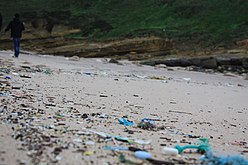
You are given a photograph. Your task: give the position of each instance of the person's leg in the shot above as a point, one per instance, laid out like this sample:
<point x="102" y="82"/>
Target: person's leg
<point x="16" y="46"/>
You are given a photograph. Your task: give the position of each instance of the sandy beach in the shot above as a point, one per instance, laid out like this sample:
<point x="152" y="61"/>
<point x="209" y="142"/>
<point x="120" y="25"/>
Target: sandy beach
<point x="57" y="110"/>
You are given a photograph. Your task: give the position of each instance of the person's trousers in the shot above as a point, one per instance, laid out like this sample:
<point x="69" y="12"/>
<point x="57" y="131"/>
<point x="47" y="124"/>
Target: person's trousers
<point x="16" y="46"/>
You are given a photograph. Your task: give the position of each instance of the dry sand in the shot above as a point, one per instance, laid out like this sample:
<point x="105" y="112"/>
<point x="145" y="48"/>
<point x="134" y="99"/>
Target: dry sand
<point x="56" y="105"/>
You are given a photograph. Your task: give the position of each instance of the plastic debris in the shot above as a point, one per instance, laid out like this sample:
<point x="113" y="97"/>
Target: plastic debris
<point x="170" y="151"/>
<point x="142" y="142"/>
<point x="89" y="142"/>
<point x="4" y="94"/>
<point x="210" y="159"/>
<point x="143" y="155"/>
<point x="187" y="79"/>
<point x="202" y="148"/>
<point x="125" y="122"/>
<point x="8" y="77"/>
<point x="48" y="71"/>
<point x="147" y="124"/>
<point x="115" y="148"/>
<point x="88" y="153"/>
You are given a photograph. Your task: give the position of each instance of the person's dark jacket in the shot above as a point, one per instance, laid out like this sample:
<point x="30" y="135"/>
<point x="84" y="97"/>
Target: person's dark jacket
<point x="16" y="27"/>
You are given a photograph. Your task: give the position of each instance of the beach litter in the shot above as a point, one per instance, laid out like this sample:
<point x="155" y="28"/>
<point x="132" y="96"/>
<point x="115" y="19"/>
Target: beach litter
<point x="202" y="147"/>
<point x="44" y="126"/>
<point x="125" y="122"/>
<point x="147" y="124"/>
<point x="211" y="159"/>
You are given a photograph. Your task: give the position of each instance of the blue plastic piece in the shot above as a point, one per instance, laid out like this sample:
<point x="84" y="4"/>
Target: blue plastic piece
<point x="210" y="159"/>
<point x="143" y="155"/>
<point x="115" y="148"/>
<point x="124" y="122"/>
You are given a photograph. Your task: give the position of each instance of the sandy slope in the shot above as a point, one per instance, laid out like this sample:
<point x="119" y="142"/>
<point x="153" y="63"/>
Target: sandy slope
<point x="185" y="103"/>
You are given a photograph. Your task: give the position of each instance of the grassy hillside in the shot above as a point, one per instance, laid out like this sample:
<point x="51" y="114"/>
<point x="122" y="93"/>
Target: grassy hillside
<point x="208" y="22"/>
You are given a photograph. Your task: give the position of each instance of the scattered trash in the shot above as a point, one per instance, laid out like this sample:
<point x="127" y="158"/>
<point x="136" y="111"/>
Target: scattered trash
<point x="147" y="124"/>
<point x="89" y="74"/>
<point x="102" y="115"/>
<point x="88" y="153"/>
<point x="45" y="126"/>
<point x="125" y="122"/>
<point x="143" y="155"/>
<point x="187" y="80"/>
<point x="210" y="159"/>
<point x="115" y="148"/>
<point x="170" y="151"/>
<point x="103" y="95"/>
<point x="8" y="77"/>
<point x="202" y="147"/>
<point x="4" y="94"/>
<point x="158" y="78"/>
<point x="25" y="76"/>
<point x="48" y="71"/>
<point x="142" y="142"/>
<point x="89" y="142"/>
<point x="15" y="74"/>
<point x="77" y="140"/>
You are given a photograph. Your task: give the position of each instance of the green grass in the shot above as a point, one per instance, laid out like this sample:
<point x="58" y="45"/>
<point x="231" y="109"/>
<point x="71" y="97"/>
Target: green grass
<point x="205" y="21"/>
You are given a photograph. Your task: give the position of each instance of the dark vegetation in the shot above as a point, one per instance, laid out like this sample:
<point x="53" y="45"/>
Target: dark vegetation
<point x="203" y="23"/>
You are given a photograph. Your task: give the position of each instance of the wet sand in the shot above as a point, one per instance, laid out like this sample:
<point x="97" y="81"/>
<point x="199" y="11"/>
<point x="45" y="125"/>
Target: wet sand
<point x="52" y="107"/>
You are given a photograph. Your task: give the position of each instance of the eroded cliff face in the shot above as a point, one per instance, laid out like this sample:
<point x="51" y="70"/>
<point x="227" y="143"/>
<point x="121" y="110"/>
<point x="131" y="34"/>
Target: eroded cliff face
<point x="45" y="33"/>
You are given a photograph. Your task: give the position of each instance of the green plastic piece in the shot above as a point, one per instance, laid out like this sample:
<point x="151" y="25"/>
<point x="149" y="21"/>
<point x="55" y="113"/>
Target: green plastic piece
<point x="202" y="147"/>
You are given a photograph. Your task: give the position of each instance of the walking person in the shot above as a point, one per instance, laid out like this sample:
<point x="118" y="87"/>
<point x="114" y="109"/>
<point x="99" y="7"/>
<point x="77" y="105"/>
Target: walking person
<point x="16" y="27"/>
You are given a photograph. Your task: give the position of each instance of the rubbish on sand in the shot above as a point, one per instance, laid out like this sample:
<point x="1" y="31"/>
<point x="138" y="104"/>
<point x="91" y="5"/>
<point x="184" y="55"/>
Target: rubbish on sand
<point x="170" y="151"/>
<point x="187" y="79"/>
<point x="25" y="76"/>
<point x="148" y="120"/>
<point x="48" y="71"/>
<point x="147" y="124"/>
<point x="8" y="77"/>
<point x="3" y="94"/>
<point x="125" y="122"/>
<point x="142" y="142"/>
<point x="210" y="159"/>
<point x="89" y="74"/>
<point x="123" y="139"/>
<point x="118" y="148"/>
<point x="115" y="148"/>
<point x="109" y="137"/>
<point x="89" y="142"/>
<point x="15" y="74"/>
<point x="88" y="153"/>
<point x="143" y="155"/>
<point x="202" y="148"/>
